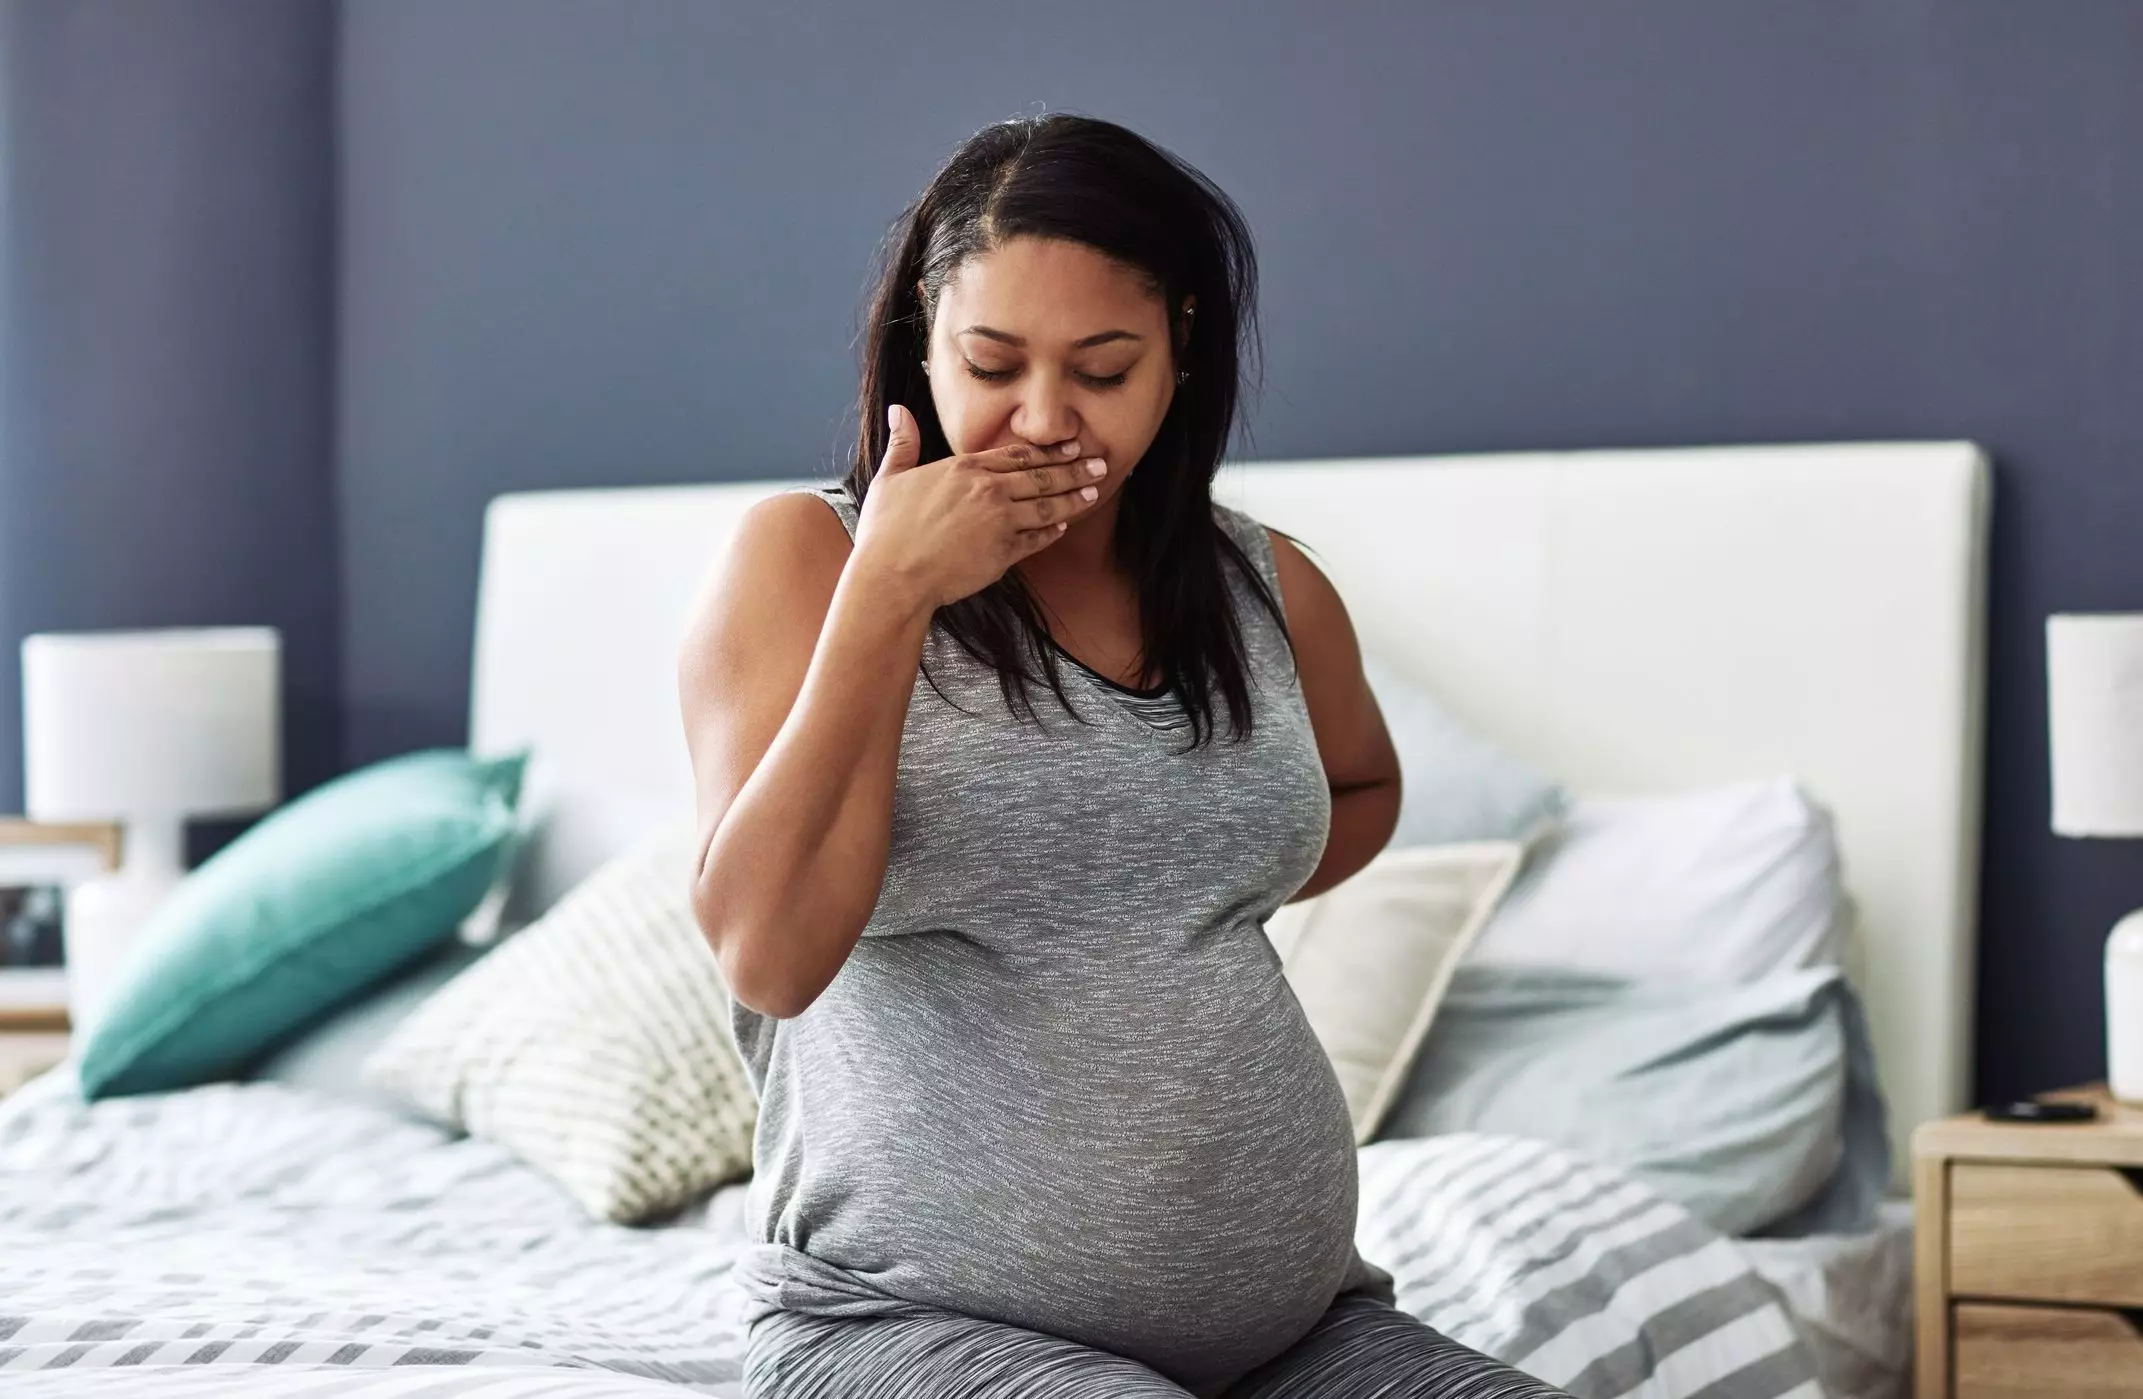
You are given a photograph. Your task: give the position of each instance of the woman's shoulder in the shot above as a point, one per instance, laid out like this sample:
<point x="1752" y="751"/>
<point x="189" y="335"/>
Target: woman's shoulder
<point x="795" y="524"/>
<point x="809" y="506"/>
<point x="834" y="493"/>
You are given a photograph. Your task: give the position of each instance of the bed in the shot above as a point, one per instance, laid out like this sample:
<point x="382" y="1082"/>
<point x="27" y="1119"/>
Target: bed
<point x="1637" y="620"/>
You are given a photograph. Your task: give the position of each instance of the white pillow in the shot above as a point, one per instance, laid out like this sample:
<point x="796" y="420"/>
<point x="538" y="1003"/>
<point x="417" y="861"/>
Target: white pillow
<point x="594" y="1044"/>
<point x="1370" y="959"/>
<point x="1726" y="885"/>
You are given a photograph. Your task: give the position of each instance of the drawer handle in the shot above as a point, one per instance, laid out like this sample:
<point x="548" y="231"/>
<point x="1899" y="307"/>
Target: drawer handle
<point x="2133" y="1175"/>
<point x="2134" y="1317"/>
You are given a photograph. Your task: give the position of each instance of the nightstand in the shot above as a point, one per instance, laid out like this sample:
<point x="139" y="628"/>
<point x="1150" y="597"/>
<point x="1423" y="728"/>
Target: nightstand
<point x="24" y="1054"/>
<point x="2028" y="1256"/>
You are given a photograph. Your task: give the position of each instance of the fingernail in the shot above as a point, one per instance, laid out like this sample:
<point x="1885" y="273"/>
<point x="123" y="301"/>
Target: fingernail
<point x="1095" y="466"/>
<point x="892" y="416"/>
<point x="1068" y="448"/>
<point x="1089" y="492"/>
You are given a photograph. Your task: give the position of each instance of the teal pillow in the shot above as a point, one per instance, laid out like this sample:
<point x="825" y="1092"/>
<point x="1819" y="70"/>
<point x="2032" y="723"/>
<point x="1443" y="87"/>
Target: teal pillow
<point x="304" y="912"/>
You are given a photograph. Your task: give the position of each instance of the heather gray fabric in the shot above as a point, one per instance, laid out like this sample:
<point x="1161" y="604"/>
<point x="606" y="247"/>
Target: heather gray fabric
<point x="1060" y="1083"/>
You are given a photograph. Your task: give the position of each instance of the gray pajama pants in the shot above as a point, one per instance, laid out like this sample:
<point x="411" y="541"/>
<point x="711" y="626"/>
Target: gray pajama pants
<point x="1362" y="1348"/>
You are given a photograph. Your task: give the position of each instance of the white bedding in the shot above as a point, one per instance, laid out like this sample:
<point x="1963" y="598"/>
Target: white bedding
<point x="252" y="1239"/>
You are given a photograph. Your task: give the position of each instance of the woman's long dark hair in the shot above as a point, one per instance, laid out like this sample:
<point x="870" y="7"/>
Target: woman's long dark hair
<point x="1093" y="182"/>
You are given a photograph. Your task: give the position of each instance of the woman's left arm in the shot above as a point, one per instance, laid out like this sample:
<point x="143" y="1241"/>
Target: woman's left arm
<point x="1359" y="763"/>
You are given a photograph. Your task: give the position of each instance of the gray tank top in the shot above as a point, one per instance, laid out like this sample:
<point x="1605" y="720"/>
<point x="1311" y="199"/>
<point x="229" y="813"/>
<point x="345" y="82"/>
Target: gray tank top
<point x="1060" y="1082"/>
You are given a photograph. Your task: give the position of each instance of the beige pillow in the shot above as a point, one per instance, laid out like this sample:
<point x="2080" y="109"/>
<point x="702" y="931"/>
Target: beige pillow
<point x="1371" y="958"/>
<point x="594" y="1044"/>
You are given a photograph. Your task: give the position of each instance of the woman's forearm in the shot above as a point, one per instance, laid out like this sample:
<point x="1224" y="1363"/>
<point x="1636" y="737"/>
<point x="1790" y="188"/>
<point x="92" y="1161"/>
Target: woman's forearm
<point x="796" y="862"/>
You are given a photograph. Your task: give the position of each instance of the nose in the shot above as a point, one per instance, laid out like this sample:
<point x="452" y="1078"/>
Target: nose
<point x="1044" y="415"/>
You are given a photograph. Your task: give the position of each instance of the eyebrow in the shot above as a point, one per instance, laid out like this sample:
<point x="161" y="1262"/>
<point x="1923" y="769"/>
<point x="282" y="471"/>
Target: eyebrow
<point x="1019" y="342"/>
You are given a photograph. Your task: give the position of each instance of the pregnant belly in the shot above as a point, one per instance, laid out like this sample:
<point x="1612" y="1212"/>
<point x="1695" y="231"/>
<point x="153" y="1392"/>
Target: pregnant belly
<point x="1165" y="1171"/>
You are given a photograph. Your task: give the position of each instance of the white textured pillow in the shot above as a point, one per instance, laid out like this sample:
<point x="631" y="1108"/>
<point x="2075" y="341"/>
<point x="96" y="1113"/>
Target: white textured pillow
<point x="1371" y="958"/>
<point x="1725" y="884"/>
<point x="594" y="1043"/>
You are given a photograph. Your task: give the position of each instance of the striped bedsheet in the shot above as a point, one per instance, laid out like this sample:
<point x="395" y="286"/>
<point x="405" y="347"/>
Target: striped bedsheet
<point x="251" y="1240"/>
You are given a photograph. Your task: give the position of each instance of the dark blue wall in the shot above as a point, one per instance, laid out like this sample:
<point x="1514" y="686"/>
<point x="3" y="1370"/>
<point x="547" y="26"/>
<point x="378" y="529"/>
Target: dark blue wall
<point x="585" y="244"/>
<point x="625" y="244"/>
<point x="166" y="335"/>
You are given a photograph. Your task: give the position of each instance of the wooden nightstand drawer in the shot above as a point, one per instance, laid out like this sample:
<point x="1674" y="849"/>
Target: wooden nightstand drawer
<point x="2046" y="1233"/>
<point x="2046" y="1353"/>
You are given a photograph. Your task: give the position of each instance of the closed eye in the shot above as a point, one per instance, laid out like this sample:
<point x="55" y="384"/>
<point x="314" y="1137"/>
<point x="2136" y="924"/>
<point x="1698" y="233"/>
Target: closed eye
<point x="998" y="376"/>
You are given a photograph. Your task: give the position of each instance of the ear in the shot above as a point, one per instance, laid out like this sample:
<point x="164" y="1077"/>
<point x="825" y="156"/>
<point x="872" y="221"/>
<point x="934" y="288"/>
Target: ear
<point x="1183" y="323"/>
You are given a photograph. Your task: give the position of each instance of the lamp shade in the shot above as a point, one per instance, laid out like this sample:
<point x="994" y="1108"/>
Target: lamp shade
<point x="168" y="723"/>
<point x="2094" y="683"/>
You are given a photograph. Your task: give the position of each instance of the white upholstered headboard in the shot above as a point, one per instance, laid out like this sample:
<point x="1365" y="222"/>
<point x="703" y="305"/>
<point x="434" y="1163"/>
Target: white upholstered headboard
<point x="1628" y="620"/>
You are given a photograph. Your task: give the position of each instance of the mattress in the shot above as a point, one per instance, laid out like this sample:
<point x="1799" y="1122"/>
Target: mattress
<point x="255" y="1239"/>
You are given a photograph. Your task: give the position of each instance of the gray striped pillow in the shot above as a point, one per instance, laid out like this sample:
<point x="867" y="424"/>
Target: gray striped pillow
<point x="594" y="1044"/>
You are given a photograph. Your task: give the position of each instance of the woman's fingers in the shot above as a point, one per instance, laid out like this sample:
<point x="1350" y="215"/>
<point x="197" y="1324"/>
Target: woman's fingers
<point x="1033" y="541"/>
<point x="1040" y="489"/>
<point x="1041" y="471"/>
<point x="1066" y="478"/>
<point x="1034" y="512"/>
<point x="1020" y="455"/>
<point x="1056" y="480"/>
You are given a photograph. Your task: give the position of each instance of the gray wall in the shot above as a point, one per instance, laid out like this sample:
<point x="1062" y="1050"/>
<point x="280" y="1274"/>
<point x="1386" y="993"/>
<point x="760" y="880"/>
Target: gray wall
<point x="166" y="334"/>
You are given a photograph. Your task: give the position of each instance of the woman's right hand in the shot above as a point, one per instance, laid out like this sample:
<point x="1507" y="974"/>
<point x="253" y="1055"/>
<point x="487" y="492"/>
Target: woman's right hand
<point x="953" y="527"/>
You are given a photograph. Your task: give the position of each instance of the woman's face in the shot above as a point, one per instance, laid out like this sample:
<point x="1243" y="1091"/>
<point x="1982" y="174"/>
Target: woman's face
<point x="1044" y="341"/>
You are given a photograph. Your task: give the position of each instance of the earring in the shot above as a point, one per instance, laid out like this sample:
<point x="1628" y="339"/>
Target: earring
<point x="1183" y="376"/>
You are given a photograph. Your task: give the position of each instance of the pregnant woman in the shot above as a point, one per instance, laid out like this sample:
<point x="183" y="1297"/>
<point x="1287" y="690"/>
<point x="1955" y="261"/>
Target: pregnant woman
<point x="1005" y="749"/>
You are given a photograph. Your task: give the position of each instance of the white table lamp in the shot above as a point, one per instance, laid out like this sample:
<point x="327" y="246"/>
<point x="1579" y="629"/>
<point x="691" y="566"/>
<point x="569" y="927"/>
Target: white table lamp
<point x="147" y="728"/>
<point x="2094" y="675"/>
